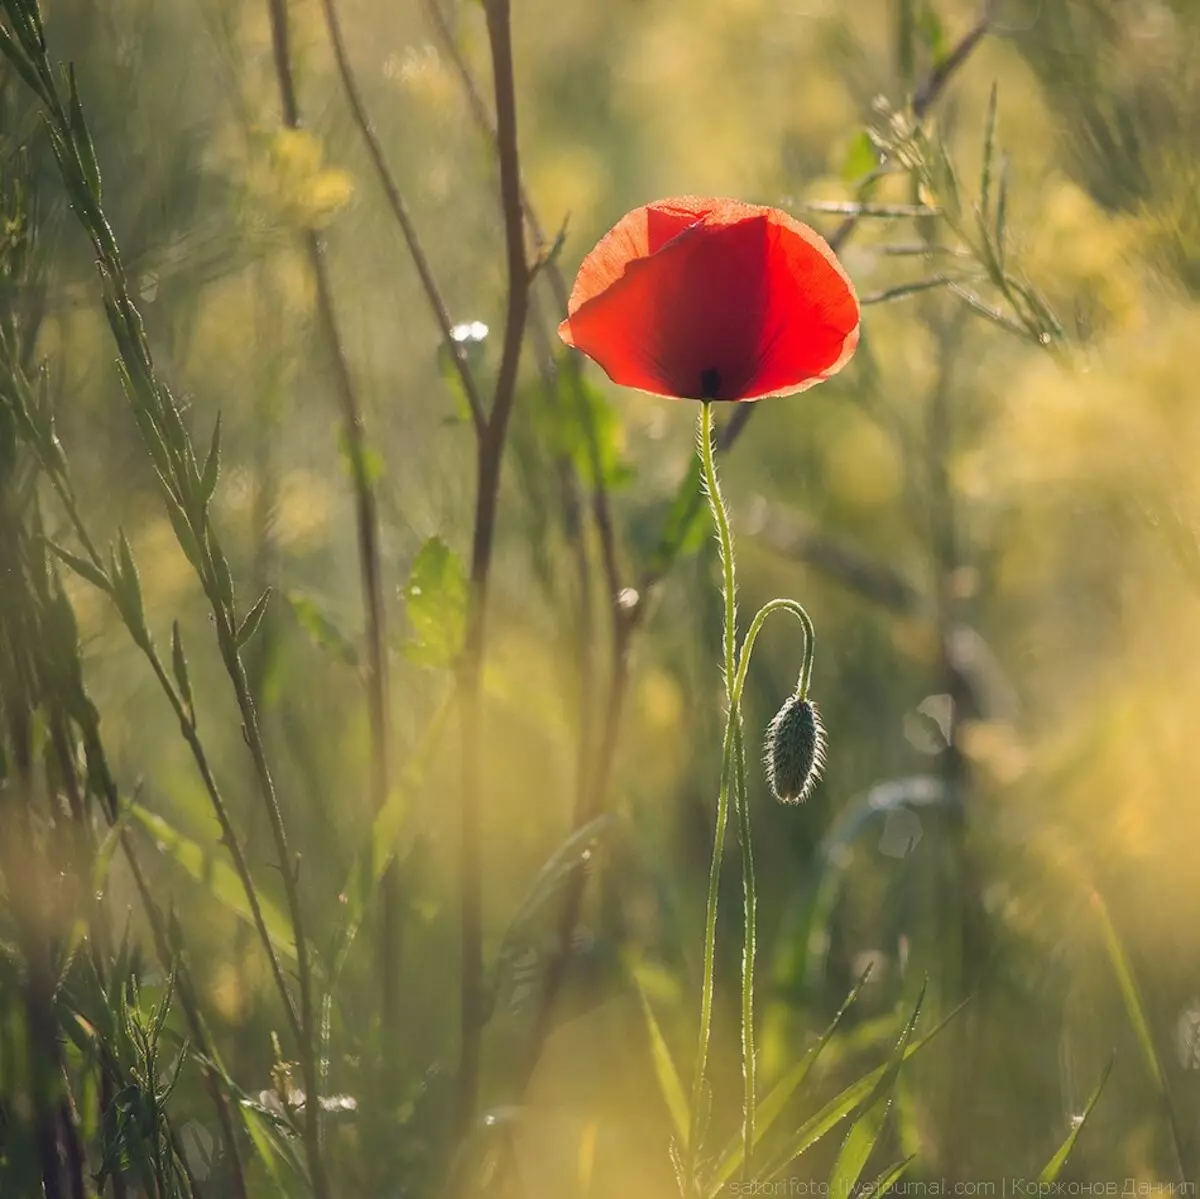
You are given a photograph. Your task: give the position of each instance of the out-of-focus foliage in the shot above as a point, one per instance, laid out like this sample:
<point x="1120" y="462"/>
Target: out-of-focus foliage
<point x="999" y="544"/>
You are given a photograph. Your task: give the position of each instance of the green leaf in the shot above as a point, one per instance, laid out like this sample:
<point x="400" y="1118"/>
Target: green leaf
<point x="861" y="158"/>
<point x="1000" y="235"/>
<point x="129" y="590"/>
<point x="363" y="462"/>
<point x="775" y="1102"/>
<point x="669" y="1084"/>
<point x="179" y="667"/>
<point x="906" y="28"/>
<point x="210" y="868"/>
<point x="524" y="929"/>
<point x="435" y="601"/>
<point x="1135" y="1010"/>
<point x="575" y="420"/>
<point x="221" y="576"/>
<point x="269" y="1145"/>
<point x="852" y="1098"/>
<point x="932" y="31"/>
<point x="101" y="864"/>
<point x="888" y="1178"/>
<point x="183" y="529"/>
<point x="864" y="1133"/>
<point x="1054" y="1166"/>
<point x="322" y="631"/>
<point x="550" y="255"/>
<point x="249" y="626"/>
<point x="379" y="852"/>
<point x="989" y="154"/>
<point x="20" y="61"/>
<point x="212" y="465"/>
<point x="82" y="567"/>
<point x="82" y="138"/>
<point x="685" y="527"/>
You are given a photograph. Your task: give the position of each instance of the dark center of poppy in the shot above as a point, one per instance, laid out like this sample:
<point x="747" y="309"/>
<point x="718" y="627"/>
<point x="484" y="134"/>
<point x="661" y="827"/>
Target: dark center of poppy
<point x="710" y="383"/>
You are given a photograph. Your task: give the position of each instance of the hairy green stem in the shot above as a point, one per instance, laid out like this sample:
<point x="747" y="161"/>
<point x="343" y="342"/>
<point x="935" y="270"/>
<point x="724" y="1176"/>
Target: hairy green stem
<point x="725" y="540"/>
<point x="749" y="939"/>
<point x="734" y="778"/>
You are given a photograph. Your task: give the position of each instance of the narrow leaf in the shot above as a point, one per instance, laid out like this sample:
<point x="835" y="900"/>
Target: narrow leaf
<point x="183" y="529"/>
<point x="222" y="576"/>
<point x="686" y="524"/>
<point x="664" y="1070"/>
<point x="129" y="590"/>
<point x="435" y="601"/>
<point x="211" y="869"/>
<point x="523" y="930"/>
<point x="1001" y="231"/>
<point x="212" y="465"/>
<point x="888" y="1178"/>
<point x="861" y="158"/>
<point x="1130" y="992"/>
<point x="82" y="139"/>
<point x="101" y="863"/>
<point x="903" y="290"/>
<point x="775" y="1102"/>
<point x="984" y="309"/>
<point x="989" y="153"/>
<point x="844" y="1103"/>
<point x="180" y="668"/>
<point x="380" y="851"/>
<point x="1135" y="1009"/>
<point x="82" y="567"/>
<point x="249" y="626"/>
<point x="19" y="60"/>
<point x="1054" y="1166"/>
<point x="864" y="1133"/>
<point x="932" y="32"/>
<point x="322" y="631"/>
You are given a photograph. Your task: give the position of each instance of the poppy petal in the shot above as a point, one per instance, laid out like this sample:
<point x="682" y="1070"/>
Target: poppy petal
<point x="686" y="321"/>
<point x="638" y="234"/>
<point x="811" y="323"/>
<point x="707" y="298"/>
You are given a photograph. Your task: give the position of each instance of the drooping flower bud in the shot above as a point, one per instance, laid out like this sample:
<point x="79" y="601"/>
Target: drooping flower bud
<point x="795" y="750"/>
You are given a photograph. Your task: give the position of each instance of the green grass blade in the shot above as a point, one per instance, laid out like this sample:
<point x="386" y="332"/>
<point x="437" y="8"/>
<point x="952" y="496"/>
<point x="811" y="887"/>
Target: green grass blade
<point x="888" y="1179"/>
<point x="1001" y="229"/>
<point x="210" y="868"/>
<point x="776" y="1100"/>
<point x="1135" y="1009"/>
<point x="843" y="1104"/>
<point x="373" y="860"/>
<point x="864" y="1133"/>
<point x="1054" y="1166"/>
<point x="989" y="155"/>
<point x="669" y="1083"/>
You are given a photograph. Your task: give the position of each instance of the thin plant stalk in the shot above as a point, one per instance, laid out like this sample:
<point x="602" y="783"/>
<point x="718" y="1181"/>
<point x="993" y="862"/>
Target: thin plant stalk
<point x="367" y="528"/>
<point x="729" y="641"/>
<point x="491" y="438"/>
<point x="749" y="942"/>
<point x="185" y="493"/>
<point x="734" y="778"/>
<point x="400" y="211"/>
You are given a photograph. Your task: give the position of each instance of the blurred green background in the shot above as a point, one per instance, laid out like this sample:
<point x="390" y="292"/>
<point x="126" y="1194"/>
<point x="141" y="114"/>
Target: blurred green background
<point x="997" y="542"/>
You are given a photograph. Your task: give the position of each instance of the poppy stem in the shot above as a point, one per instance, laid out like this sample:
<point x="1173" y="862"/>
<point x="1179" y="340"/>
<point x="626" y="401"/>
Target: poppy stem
<point x="733" y="770"/>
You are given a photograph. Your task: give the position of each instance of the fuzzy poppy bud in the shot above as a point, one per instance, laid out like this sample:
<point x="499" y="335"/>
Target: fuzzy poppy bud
<point x="795" y="750"/>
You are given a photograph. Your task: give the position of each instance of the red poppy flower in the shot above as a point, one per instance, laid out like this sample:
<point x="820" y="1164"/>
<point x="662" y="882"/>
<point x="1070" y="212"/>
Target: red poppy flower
<point x="713" y="299"/>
